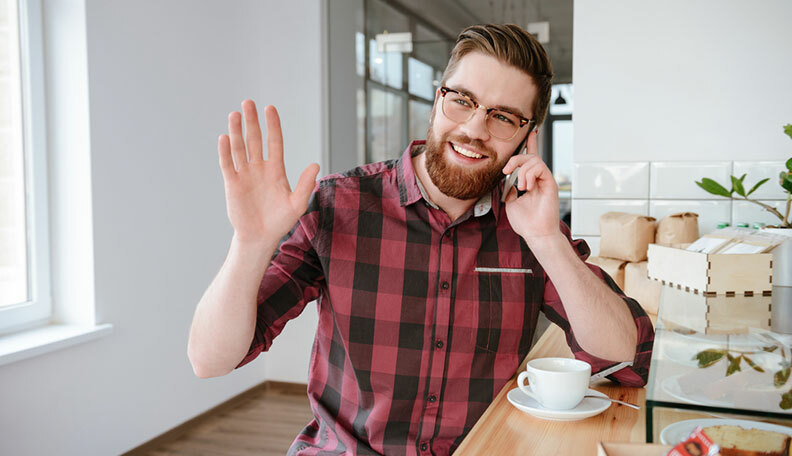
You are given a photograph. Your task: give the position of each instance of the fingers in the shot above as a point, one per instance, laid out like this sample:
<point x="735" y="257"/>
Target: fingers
<point x="531" y="144"/>
<point x="274" y="137"/>
<point x="305" y="186"/>
<point x="519" y="161"/>
<point x="235" y="134"/>
<point x="224" y="153"/>
<point x="252" y="131"/>
<point x="529" y="177"/>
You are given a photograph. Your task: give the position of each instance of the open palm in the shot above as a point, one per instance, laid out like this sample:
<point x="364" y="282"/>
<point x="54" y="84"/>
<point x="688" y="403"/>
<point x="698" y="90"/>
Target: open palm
<point x="261" y="205"/>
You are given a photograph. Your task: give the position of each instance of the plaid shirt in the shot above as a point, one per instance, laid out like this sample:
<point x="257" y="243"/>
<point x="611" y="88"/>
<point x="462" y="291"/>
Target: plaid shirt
<point x="413" y="343"/>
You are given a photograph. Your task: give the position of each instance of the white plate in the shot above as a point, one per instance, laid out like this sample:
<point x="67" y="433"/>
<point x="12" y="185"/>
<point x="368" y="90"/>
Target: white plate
<point x="672" y="388"/>
<point x="589" y="406"/>
<point x="679" y="431"/>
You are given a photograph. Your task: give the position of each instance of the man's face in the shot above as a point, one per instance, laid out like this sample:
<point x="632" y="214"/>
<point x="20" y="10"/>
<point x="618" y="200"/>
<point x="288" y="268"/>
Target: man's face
<point x="493" y="84"/>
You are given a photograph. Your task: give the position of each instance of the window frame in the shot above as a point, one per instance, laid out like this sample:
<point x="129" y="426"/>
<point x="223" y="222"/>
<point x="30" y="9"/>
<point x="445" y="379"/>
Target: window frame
<point x="37" y="310"/>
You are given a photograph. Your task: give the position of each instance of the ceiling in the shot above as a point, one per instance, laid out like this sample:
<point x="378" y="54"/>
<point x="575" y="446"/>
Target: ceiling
<point x="451" y="16"/>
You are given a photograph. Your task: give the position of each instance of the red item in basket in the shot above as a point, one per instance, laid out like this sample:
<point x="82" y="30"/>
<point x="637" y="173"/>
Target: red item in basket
<point x="697" y="444"/>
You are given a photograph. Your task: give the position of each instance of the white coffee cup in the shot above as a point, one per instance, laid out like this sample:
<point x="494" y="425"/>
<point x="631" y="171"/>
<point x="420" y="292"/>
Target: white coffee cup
<point x="556" y="383"/>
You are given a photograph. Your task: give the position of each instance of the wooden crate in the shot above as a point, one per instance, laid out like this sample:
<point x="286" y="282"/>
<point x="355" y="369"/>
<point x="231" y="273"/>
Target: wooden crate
<point x="632" y="449"/>
<point x="719" y="314"/>
<point x="712" y="274"/>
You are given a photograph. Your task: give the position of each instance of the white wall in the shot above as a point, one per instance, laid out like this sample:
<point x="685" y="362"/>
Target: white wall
<point x="162" y="78"/>
<point x="669" y="92"/>
<point x="682" y="80"/>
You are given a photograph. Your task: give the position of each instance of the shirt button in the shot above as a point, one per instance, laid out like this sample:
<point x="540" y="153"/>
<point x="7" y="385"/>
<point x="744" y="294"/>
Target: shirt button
<point x="439" y="343"/>
<point x="424" y="446"/>
<point x="444" y="285"/>
<point x="432" y="398"/>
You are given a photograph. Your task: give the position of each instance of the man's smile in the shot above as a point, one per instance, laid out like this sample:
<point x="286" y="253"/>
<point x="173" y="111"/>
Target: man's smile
<point x="466" y="152"/>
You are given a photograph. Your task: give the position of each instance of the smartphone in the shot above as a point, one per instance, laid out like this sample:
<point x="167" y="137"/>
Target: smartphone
<point x="511" y="179"/>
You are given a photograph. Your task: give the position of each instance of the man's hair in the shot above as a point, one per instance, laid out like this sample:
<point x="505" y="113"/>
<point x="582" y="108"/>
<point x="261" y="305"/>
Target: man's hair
<point x="512" y="45"/>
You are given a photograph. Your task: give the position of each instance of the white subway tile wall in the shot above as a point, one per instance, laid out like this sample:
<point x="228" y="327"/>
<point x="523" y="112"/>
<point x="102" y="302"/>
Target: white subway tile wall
<point x="586" y="213"/>
<point x="750" y="213"/>
<point x="611" y="180"/>
<point x="677" y="180"/>
<point x="662" y="188"/>
<point x="710" y="213"/>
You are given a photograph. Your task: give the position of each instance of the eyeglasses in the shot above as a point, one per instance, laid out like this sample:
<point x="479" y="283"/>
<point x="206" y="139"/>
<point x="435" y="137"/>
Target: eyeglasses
<point x="501" y="124"/>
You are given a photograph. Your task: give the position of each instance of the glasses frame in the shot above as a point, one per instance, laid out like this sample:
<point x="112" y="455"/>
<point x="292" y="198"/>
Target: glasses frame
<point x="476" y="105"/>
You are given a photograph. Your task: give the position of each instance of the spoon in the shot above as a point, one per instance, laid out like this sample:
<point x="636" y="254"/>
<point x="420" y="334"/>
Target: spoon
<point x="613" y="400"/>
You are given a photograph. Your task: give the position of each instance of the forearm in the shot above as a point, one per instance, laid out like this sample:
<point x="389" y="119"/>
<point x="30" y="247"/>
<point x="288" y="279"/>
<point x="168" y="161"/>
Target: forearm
<point x="225" y="319"/>
<point x="600" y="319"/>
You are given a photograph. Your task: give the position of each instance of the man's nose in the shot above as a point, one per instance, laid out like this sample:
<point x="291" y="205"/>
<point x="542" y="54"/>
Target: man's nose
<point x="476" y="126"/>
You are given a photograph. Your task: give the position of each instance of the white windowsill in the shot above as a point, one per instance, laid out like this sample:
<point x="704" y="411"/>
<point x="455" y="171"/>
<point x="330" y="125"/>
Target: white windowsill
<point x="45" y="339"/>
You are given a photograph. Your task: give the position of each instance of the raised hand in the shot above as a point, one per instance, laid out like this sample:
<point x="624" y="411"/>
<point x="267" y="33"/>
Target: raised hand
<point x="534" y="214"/>
<point x="261" y="205"/>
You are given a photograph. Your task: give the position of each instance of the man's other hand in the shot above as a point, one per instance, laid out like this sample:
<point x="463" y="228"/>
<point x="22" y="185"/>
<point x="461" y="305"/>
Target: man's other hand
<point x="261" y="205"/>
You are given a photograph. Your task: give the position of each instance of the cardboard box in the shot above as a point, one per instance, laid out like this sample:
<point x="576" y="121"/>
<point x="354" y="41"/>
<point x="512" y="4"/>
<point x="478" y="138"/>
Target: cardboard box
<point x="640" y="287"/>
<point x="718" y="314"/>
<point x="711" y="274"/>
<point x="614" y="268"/>
<point x="632" y="449"/>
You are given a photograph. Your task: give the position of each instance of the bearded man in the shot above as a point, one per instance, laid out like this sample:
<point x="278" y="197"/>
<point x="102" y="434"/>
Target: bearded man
<point x="428" y="287"/>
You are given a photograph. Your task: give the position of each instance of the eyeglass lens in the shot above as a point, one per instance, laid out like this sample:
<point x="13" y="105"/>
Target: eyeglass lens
<point x="460" y="108"/>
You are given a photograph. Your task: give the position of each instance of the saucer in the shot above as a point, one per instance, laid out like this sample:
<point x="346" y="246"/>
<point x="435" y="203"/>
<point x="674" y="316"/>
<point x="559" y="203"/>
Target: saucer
<point x="588" y="407"/>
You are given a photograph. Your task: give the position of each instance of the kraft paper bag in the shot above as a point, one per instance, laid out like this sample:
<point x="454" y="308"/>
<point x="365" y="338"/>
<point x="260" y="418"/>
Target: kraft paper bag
<point x="674" y="229"/>
<point x="640" y="287"/>
<point x="614" y="268"/>
<point x="626" y="236"/>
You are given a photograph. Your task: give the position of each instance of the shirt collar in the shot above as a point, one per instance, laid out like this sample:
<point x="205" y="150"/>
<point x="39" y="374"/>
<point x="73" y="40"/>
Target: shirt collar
<point x="411" y="189"/>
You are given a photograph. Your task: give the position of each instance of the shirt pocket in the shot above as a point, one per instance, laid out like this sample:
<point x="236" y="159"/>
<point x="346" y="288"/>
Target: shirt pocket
<point x="507" y="309"/>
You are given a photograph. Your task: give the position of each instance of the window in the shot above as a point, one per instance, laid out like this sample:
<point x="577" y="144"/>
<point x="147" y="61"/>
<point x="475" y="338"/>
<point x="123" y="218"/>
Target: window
<point x="400" y="88"/>
<point x="24" y="250"/>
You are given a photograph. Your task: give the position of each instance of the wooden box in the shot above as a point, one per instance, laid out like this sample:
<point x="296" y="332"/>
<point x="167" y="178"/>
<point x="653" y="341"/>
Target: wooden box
<point x="718" y="314"/>
<point x="632" y="449"/>
<point x="712" y="274"/>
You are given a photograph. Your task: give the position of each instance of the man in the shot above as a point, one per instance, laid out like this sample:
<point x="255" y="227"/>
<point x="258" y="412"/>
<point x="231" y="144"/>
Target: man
<point x="428" y="287"/>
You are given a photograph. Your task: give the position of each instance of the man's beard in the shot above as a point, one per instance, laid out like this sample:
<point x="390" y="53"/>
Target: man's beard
<point x="455" y="180"/>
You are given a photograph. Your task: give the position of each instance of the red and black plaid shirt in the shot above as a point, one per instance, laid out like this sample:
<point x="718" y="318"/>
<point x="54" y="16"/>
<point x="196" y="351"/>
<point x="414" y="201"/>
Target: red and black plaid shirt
<point x="412" y="344"/>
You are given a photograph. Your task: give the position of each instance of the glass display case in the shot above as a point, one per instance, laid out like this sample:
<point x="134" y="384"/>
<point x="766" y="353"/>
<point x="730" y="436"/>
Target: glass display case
<point x="717" y="361"/>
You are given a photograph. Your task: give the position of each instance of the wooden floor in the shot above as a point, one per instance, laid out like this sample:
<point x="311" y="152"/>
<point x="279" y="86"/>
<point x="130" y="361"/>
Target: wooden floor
<point x="262" y="421"/>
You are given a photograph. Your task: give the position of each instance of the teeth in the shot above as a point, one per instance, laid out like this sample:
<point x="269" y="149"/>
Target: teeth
<point x="466" y="152"/>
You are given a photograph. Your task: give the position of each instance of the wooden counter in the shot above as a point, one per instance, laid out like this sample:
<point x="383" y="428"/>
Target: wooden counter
<point x="503" y="429"/>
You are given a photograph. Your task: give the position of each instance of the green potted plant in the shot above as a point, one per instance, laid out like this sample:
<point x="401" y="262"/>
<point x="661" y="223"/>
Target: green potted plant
<point x="782" y="255"/>
<point x="738" y="188"/>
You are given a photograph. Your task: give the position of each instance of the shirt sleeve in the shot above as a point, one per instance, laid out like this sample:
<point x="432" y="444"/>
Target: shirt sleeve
<point x="291" y="281"/>
<point x="635" y="375"/>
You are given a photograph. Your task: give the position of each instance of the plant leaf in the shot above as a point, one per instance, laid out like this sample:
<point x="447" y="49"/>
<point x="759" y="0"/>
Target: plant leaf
<point x="753" y="189"/>
<point x="734" y="364"/>
<point x="737" y="185"/>
<point x="789" y="162"/>
<point x="788" y="131"/>
<point x="713" y="187"/>
<point x="781" y="377"/>
<point x="786" y="180"/>
<point x="786" y="400"/>
<point x="709" y="357"/>
<point x="752" y="364"/>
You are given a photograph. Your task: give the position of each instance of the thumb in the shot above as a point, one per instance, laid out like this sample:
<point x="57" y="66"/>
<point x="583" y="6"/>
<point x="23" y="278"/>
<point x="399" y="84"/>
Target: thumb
<point x="305" y="186"/>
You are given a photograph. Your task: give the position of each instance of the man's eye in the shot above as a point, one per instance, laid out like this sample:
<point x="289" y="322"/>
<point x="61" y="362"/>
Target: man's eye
<point x="462" y="102"/>
<point x="504" y="119"/>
